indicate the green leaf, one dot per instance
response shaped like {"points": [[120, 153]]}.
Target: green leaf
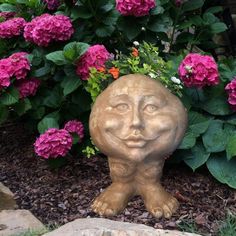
{"points": [[196, 20], [222, 169], [105, 31], [199, 157], [8, 7], [57, 57], [157, 10], [38, 113], [192, 5], [184, 37], [76, 138], [215, 138], [81, 12], [188, 141], [231, 147], [46, 69], [231, 120], [129, 27], [22, 106], [46, 123], [72, 51], [107, 7], [218, 27], [198, 123], [53, 98], [209, 18], [111, 18], [215, 9], [217, 106], [10, 96], [70, 84], [3, 113], [160, 24]]}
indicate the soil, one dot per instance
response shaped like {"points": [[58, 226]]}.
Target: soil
{"points": [[57, 197]]}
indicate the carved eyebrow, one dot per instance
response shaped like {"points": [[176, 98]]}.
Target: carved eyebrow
{"points": [[114, 100]]}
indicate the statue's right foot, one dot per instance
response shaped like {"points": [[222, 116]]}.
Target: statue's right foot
{"points": [[113, 200], [157, 201]]}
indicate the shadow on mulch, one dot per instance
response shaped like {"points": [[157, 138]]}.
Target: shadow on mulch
{"points": [[57, 197]]}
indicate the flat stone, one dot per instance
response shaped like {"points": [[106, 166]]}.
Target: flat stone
{"points": [[13, 222], [7, 201], [105, 227]]}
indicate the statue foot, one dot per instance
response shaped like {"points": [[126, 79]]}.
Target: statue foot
{"points": [[158, 202], [113, 200]]}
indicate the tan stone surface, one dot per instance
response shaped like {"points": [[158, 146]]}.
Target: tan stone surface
{"points": [[7, 201], [17, 221], [105, 227]]}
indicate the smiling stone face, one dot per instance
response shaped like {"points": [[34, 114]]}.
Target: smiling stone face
{"points": [[137, 118]]}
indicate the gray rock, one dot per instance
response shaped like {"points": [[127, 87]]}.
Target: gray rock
{"points": [[104, 227], [13, 222], [6, 198]]}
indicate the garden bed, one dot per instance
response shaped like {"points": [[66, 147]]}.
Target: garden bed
{"points": [[57, 197]]}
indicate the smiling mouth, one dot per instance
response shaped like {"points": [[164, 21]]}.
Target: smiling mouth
{"points": [[135, 141]]}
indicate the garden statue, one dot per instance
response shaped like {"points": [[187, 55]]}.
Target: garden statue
{"points": [[137, 123]]}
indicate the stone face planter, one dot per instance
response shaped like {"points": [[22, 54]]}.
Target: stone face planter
{"points": [[137, 123]]}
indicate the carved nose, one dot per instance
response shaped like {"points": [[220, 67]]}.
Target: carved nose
{"points": [[136, 120]]}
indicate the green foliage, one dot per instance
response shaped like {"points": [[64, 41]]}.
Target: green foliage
{"points": [[144, 60], [228, 226], [188, 225], [222, 169]]}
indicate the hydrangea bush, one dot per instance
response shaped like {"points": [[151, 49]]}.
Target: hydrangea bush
{"points": [[57, 56]]}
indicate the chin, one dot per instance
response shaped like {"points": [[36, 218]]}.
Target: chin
{"points": [[136, 154]]}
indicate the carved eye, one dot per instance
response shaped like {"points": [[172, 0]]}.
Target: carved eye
{"points": [[122, 107], [150, 108]]}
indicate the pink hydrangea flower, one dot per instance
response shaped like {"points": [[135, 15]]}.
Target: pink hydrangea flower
{"points": [[7, 14], [75, 126], [53, 143], [231, 90], [20, 65], [4, 79], [28, 87], [12, 27], [95, 56], [6, 66], [16, 65], [47, 28], [135, 7], [52, 4], [198, 71]]}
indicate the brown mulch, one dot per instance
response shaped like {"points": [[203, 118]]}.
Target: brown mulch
{"points": [[57, 197]]}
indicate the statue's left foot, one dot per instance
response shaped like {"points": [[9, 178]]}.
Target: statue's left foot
{"points": [[157, 201]]}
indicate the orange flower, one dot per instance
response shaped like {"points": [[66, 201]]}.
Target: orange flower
{"points": [[114, 72], [135, 52], [101, 69]]}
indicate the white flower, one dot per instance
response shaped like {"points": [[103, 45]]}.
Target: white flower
{"points": [[152, 75], [175, 80], [136, 43], [188, 68]]}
